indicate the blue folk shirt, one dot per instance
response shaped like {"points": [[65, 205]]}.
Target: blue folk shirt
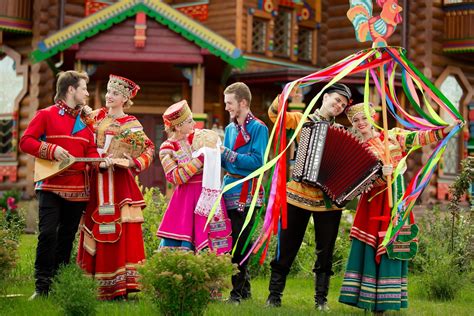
{"points": [[243, 154]]}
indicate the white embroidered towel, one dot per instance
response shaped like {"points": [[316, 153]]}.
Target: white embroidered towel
{"points": [[211, 180]]}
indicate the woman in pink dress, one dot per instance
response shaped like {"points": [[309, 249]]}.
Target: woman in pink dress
{"points": [[183, 225]]}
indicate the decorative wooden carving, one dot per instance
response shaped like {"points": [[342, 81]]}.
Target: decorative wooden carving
{"points": [[140, 30]]}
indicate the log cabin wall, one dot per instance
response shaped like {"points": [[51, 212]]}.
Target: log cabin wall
{"points": [[41, 81], [74, 10], [222, 19], [337, 35]]}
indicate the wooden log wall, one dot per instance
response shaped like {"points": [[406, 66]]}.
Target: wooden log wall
{"points": [[41, 83], [74, 11], [337, 35], [221, 19], [16, 9]]}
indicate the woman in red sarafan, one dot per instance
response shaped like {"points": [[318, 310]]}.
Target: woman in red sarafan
{"points": [[111, 243]]}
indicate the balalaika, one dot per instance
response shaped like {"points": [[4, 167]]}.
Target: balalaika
{"points": [[334, 160]]}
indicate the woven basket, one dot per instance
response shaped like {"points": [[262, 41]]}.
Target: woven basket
{"points": [[117, 148]]}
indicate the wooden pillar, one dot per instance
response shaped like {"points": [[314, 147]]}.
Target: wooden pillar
{"points": [[197, 102], [97, 96]]}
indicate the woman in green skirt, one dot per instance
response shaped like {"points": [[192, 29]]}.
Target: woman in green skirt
{"points": [[376, 276]]}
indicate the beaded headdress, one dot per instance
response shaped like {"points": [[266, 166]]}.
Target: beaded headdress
{"points": [[125, 86], [355, 109]]}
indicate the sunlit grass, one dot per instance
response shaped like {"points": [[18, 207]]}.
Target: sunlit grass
{"points": [[297, 299]]}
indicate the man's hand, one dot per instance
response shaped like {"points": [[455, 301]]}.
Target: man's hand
{"points": [[61, 154], [295, 91]]}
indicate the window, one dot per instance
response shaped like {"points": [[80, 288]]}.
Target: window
{"points": [[305, 44], [454, 92], [259, 35], [12, 86], [282, 33]]}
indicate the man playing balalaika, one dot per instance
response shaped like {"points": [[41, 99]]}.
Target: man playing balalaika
{"points": [[57, 133]]}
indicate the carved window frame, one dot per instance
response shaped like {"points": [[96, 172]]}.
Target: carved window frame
{"points": [[268, 20], [21, 70], [468, 94]]}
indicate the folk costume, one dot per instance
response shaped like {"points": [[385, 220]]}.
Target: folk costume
{"points": [[244, 149], [111, 244], [376, 276], [305, 201], [183, 224], [62, 198]]}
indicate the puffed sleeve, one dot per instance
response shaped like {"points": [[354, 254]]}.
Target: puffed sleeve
{"points": [[177, 173]]}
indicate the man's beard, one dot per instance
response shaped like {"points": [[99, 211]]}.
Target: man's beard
{"points": [[237, 114], [79, 102]]}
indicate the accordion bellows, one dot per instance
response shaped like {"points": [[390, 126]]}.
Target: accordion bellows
{"points": [[334, 160]]}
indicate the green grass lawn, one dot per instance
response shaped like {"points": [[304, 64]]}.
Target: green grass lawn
{"points": [[297, 300]]}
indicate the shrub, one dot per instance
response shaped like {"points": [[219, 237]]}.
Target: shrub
{"points": [[441, 279], [11, 220], [453, 234], [446, 243], [74, 292], [156, 204], [8, 257], [180, 283]]}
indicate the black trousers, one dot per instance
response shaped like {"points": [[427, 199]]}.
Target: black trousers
{"points": [[240, 281], [326, 225], [58, 223]]}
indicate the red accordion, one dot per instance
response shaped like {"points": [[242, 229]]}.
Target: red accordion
{"points": [[336, 161]]}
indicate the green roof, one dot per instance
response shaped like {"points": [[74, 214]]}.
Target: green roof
{"points": [[118, 12]]}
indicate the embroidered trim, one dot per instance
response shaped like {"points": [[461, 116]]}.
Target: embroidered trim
{"points": [[308, 202], [230, 155], [43, 150], [206, 201], [64, 108]]}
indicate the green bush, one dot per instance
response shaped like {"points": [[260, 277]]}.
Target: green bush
{"points": [[445, 253], [11, 219], [74, 292], [452, 232], [156, 204], [441, 278], [180, 283], [8, 257]]}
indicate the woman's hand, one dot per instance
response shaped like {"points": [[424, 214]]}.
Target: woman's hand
{"points": [[131, 162], [87, 110], [387, 170], [449, 128]]}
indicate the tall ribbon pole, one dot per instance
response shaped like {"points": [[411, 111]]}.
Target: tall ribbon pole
{"points": [[385, 131]]}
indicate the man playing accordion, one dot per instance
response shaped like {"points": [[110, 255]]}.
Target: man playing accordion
{"points": [[305, 201]]}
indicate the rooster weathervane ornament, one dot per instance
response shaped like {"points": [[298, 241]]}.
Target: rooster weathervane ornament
{"points": [[374, 28]]}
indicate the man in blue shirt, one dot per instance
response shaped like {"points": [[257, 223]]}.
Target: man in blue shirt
{"points": [[245, 140]]}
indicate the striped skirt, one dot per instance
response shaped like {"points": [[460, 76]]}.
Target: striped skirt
{"points": [[374, 287]]}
